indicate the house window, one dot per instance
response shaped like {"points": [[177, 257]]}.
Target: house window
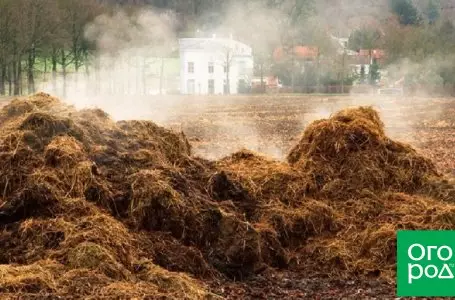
{"points": [[191, 67], [211, 86], [211, 68]]}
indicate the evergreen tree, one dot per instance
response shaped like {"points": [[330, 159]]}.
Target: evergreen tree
{"points": [[406, 12], [433, 12], [374, 72], [362, 74]]}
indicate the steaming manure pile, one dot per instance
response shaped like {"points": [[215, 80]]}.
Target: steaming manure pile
{"points": [[93, 207]]}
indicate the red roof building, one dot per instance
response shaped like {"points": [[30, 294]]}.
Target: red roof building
{"points": [[375, 53], [363, 57], [300, 52]]}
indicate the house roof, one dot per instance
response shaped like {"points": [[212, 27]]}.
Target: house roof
{"points": [[299, 52], [362, 57], [375, 53]]}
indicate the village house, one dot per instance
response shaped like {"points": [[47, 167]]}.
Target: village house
{"points": [[358, 59], [214, 66], [304, 53], [365, 58]]}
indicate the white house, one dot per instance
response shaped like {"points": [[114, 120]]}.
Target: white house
{"points": [[207, 65]]}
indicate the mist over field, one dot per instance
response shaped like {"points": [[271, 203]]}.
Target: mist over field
{"points": [[125, 72], [129, 42]]}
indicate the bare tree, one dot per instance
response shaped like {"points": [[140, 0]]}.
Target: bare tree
{"points": [[227, 65], [6, 23]]}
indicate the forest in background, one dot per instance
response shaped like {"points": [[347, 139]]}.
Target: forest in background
{"points": [[49, 40]]}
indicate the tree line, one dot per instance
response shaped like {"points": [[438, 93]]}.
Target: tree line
{"points": [[419, 43], [43, 39], [39, 36]]}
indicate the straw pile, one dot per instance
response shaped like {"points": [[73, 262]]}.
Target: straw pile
{"points": [[74, 185], [350, 152], [345, 191], [93, 207]]}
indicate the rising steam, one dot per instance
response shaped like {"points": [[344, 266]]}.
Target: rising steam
{"points": [[132, 50], [126, 77]]}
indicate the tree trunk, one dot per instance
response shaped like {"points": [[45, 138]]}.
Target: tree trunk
{"points": [[88, 83], [30, 77], [17, 77], [2, 79], [342, 74], [10, 80], [87, 70], [64, 71], [76, 51], [98, 87], [45, 70], [54, 70], [77, 61], [228, 84]]}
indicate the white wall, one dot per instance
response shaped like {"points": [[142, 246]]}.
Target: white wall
{"points": [[201, 73], [203, 51]]}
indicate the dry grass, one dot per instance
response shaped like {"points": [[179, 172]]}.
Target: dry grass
{"points": [[95, 208], [350, 152]]}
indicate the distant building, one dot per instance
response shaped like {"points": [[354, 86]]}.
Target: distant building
{"points": [[269, 82], [357, 60], [207, 65], [365, 58], [306, 53], [373, 54]]}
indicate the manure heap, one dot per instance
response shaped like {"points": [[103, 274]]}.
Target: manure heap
{"points": [[90, 207]]}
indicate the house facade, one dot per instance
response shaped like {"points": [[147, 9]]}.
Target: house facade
{"points": [[214, 66]]}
